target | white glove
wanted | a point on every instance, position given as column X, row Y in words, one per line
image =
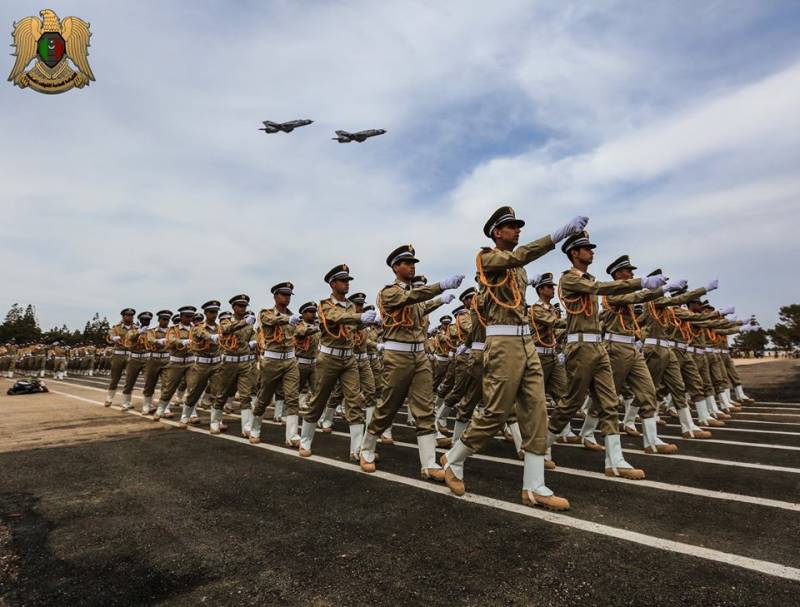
column 368, row 317
column 576, row 224
column 295, row 319
column 214, row 338
column 185, row 342
column 731, row 317
column 713, row 284
column 728, row 310
column 638, row 345
column 161, row 341
column 654, row 282
column 675, row 285
column 116, row 338
column 379, row 347
column 144, row 329
column 451, row 282
column 461, row 349
column 250, row 320
column 378, row 320
column 562, row 358
column 534, row 279
column 252, row 343
column 447, row 298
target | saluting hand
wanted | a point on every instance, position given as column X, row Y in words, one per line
column 654, row 282
column 447, row 298
column 713, row 284
column 576, row 224
column 451, row 282
column 675, row 285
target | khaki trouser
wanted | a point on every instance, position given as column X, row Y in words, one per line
column 308, row 377
column 235, row 377
column 589, row 372
column 443, row 389
column 118, row 364
column 407, row 375
column 439, row 371
column 331, row 369
column 275, row 373
column 701, row 361
column 629, row 368
column 730, row 369
column 376, row 365
column 365, row 380
column 153, row 370
column 474, row 395
column 202, row 377
column 555, row 377
column 462, row 377
column 672, row 381
column 132, row 370
column 174, row 376
column 59, row 364
column 716, row 368
column 512, row 380
column 690, row 374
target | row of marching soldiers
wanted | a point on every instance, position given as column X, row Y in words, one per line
column 494, row 366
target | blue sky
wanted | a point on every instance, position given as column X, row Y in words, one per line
column 674, row 126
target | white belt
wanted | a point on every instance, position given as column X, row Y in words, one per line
column 507, row 330
column 478, row 345
column 306, row 361
column 441, row 359
column 208, row 360
column 181, row 359
column 362, row 356
column 121, row 352
column 587, row 337
column 230, row 358
column 620, row 339
column 712, row 350
column 696, row 350
column 338, row 352
column 542, row 350
column 652, row 341
column 401, row 346
column 159, row 355
column 681, row 346
column 451, row 355
column 59, row 358
column 373, row 356
column 277, row 355
column 140, row 354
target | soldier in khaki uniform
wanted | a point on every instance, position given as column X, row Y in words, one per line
column 627, row 363
column 305, row 349
column 136, row 343
column 13, row 355
column 119, row 359
column 407, row 371
column 59, row 354
column 476, row 343
column 512, row 373
column 335, row 361
column 462, row 375
column 444, row 348
column 180, row 360
column 156, row 342
column 366, row 380
column 587, row 361
column 276, row 328
column 238, row 341
column 205, row 373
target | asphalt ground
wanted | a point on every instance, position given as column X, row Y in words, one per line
column 98, row 507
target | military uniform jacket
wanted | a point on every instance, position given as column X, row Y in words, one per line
column 175, row 337
column 200, row 341
column 306, row 340
column 135, row 341
column 237, row 335
column 502, row 275
column 659, row 315
column 578, row 292
column 337, row 319
column 618, row 314
column 118, row 330
column 275, row 334
column 445, row 341
column 152, row 336
column 544, row 321
column 404, row 311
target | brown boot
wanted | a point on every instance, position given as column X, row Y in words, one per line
column 365, row 465
column 305, row 452
column 455, row 484
column 632, row 474
column 549, row 464
column 697, row 434
column 592, row 446
column 553, row 502
column 433, row 474
column 385, row 440
column 569, row 440
column 254, row 440
column 293, row 444
column 444, row 442
column 665, row 449
column 520, row 454
column 630, row 431
column 713, row 423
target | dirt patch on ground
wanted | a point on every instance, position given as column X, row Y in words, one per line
column 33, row 421
column 777, row 380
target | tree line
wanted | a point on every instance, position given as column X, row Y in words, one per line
column 22, row 325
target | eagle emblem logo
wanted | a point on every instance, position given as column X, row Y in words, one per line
column 51, row 42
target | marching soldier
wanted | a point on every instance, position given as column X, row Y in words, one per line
column 276, row 328
column 135, row 342
column 205, row 372
column 335, row 361
column 180, row 360
column 305, row 349
column 462, row 375
column 512, row 373
column 156, row 342
column 360, row 347
column 238, row 364
column 59, row 354
column 476, row 342
column 407, row 371
column 119, row 358
column 13, row 354
column 588, row 365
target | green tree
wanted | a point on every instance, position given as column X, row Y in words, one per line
column 786, row 334
column 754, row 341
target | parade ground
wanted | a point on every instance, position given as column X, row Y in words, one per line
column 101, row 507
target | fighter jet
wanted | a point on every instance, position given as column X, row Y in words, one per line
column 285, row 127
column 360, row 136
